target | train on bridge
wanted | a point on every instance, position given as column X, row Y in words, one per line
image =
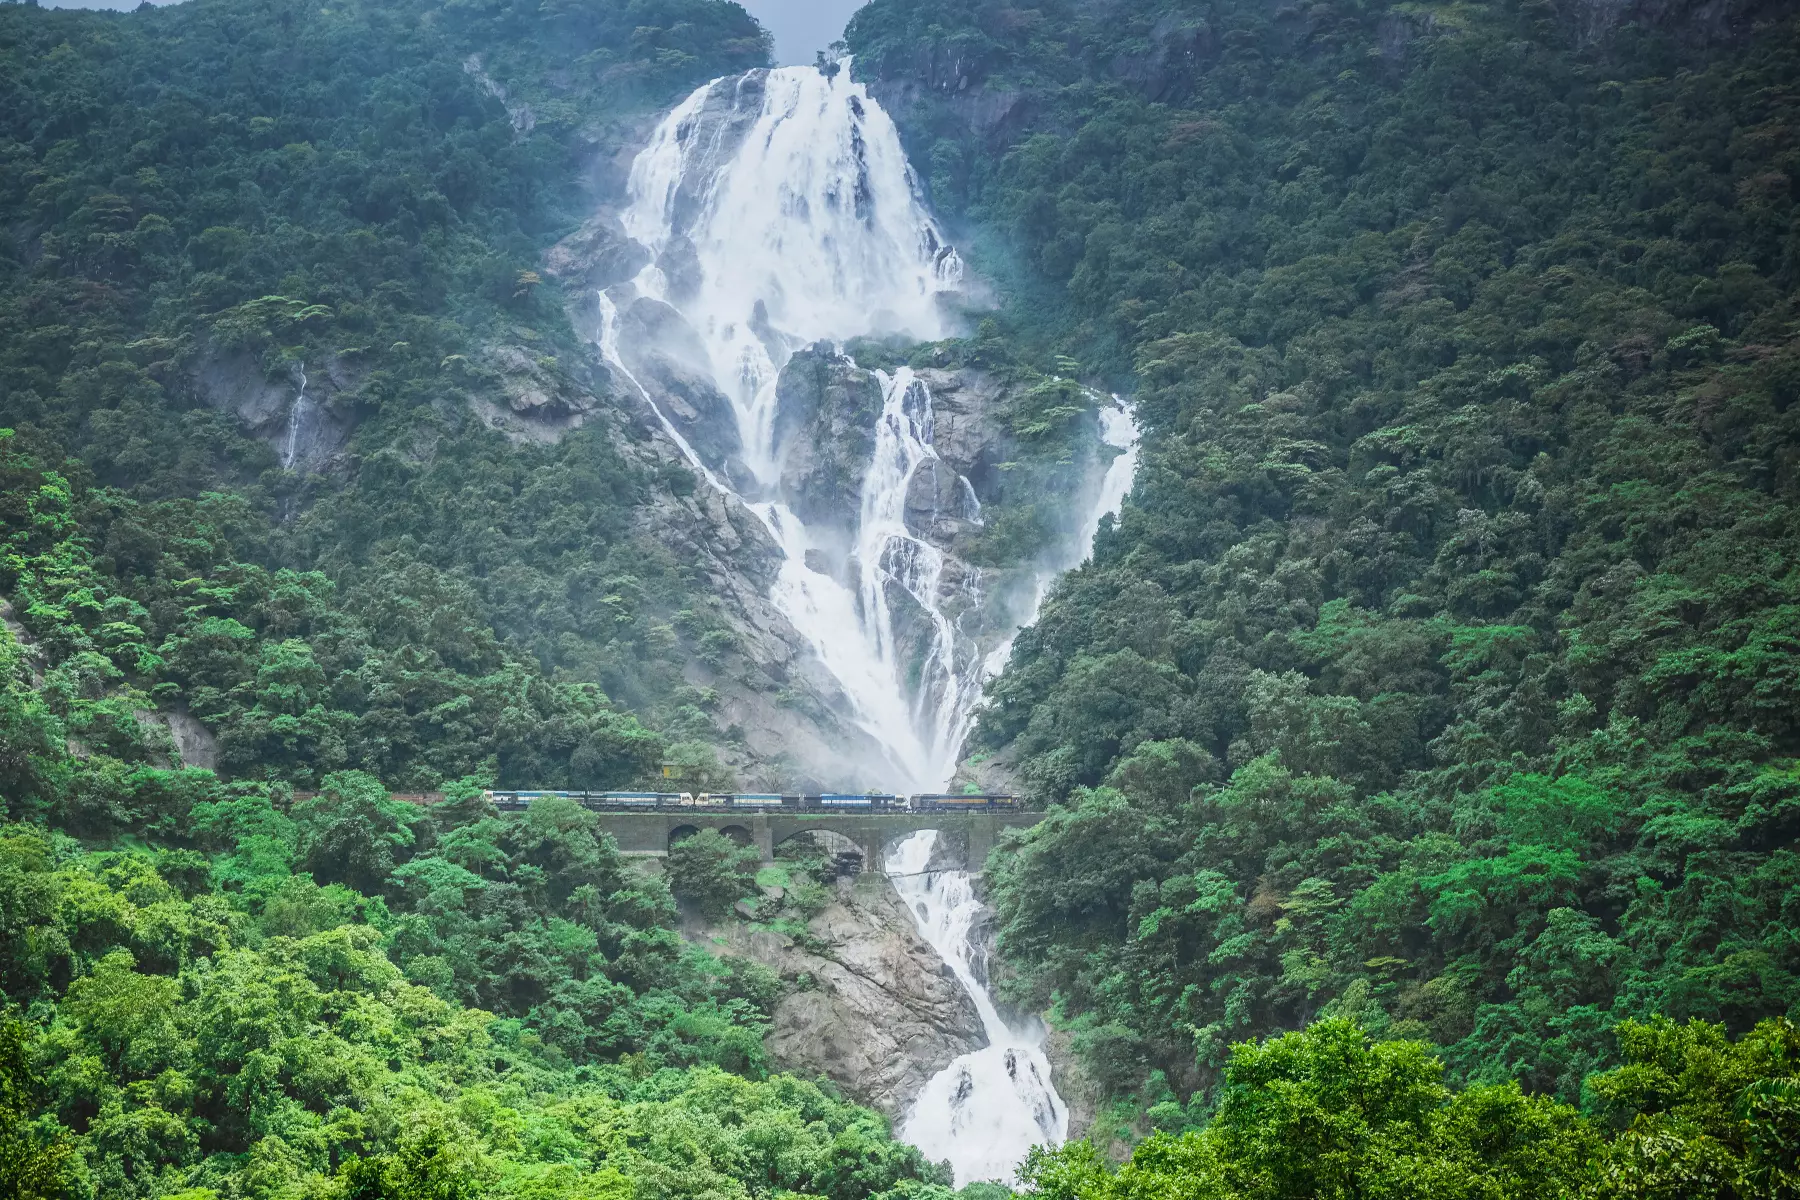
column 749, row 802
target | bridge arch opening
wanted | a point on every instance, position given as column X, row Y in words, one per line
column 681, row 833
column 738, row 834
column 835, row 853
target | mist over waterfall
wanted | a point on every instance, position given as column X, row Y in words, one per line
column 778, row 217
column 781, row 211
column 990, row 1106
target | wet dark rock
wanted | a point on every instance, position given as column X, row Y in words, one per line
column 597, row 255
column 825, row 434
column 304, row 413
column 875, row 1009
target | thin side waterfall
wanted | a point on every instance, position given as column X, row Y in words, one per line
column 1118, row 429
column 290, row 448
column 990, row 1106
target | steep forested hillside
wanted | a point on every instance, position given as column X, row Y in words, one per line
column 1434, row 695
column 208, row 205
column 214, row 987
column 1441, row 670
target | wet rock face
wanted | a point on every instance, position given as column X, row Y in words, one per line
column 876, row 1010
column 597, row 255
column 825, row 434
column 968, row 429
column 305, row 414
column 662, row 350
column 940, row 502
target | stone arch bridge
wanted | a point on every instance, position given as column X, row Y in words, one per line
column 971, row 834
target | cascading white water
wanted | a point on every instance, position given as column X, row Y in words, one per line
column 296, row 421
column 990, row 1106
column 888, row 554
column 780, row 211
column 1118, row 429
column 798, row 220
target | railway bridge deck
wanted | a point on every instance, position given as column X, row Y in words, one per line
column 972, row 834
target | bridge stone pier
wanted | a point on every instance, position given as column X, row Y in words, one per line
column 970, row 835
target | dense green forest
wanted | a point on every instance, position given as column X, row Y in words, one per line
column 349, row 997
column 1419, row 749
column 259, row 188
column 1440, row 673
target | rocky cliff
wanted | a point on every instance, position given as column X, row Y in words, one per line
column 871, row 1006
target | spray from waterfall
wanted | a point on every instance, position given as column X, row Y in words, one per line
column 986, row 1109
column 780, row 211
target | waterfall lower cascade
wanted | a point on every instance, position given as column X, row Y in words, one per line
column 779, row 211
column 990, row 1106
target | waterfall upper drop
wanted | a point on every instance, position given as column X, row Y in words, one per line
column 780, row 211
column 771, row 218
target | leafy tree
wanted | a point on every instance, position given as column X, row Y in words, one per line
column 352, row 832
column 37, row 1159
column 711, row 871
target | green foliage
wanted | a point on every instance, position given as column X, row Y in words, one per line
column 1328, row 1113
column 265, row 1035
column 37, row 1161
column 712, row 871
column 1439, row 670
column 1707, row 1116
column 204, row 202
column 402, row 679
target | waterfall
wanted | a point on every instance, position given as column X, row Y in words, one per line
column 1118, row 429
column 780, row 211
column 290, row 450
column 990, row 1106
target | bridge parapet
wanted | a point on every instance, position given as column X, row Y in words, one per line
column 974, row 832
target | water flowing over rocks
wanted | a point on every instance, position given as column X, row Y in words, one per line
column 776, row 221
column 988, row 1107
column 873, row 1007
column 770, row 219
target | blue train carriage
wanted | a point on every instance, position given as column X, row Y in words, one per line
column 873, row 801
column 963, row 803
column 511, row 801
